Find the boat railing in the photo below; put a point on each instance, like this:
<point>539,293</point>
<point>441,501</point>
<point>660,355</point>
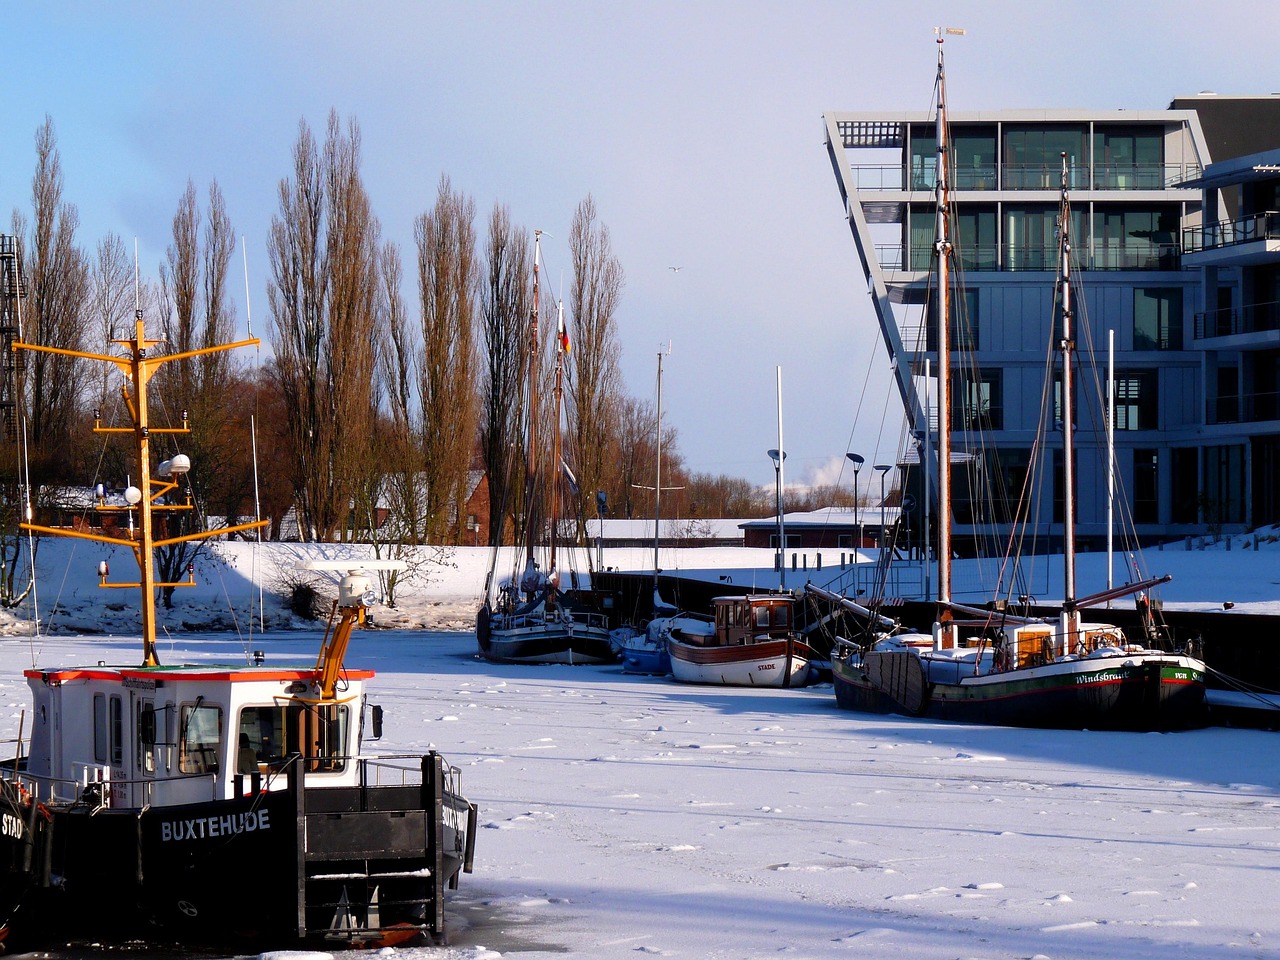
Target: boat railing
<point>95,786</point>
<point>391,770</point>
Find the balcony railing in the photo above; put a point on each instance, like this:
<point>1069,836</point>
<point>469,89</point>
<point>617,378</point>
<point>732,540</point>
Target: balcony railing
<point>1251,318</point>
<point>1136,256</point>
<point>1247,408</point>
<point>1230,233</point>
<point>990,176</point>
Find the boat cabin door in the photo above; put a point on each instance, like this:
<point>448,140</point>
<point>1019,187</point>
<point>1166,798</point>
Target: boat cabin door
<point>141,773</point>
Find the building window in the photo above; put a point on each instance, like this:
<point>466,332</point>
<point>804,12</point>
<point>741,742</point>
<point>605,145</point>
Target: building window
<point>1136,238</point>
<point>973,150</point>
<point>977,403</point>
<point>964,322</point>
<point>1157,318</point>
<point>973,236</point>
<point>1030,237</point>
<point>1033,156</point>
<point>1137,399</point>
<point>1128,158</point>
<point>1146,486</point>
<point>1186,486</point>
<point>1008,472</point>
<point>1224,485</point>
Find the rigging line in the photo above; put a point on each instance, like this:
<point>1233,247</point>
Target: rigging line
<point>24,467</point>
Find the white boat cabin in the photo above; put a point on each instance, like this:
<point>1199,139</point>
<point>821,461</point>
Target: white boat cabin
<point>160,736</point>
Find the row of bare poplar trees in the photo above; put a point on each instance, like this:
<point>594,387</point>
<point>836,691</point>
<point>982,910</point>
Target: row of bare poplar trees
<point>372,417</point>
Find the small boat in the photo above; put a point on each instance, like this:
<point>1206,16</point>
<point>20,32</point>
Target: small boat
<point>526,617</point>
<point>752,642</point>
<point>218,805</point>
<point>645,650</point>
<point>993,666</point>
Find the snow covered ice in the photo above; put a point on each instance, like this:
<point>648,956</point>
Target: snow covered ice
<point>629,816</point>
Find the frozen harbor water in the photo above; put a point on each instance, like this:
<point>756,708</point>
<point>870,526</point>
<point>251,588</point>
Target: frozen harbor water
<point>627,816</point>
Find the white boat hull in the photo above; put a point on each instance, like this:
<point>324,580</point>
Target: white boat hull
<point>774,663</point>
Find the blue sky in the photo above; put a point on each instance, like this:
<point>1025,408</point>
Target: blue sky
<point>695,126</point>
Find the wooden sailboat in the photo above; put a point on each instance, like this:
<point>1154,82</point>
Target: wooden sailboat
<point>531,619</point>
<point>217,804</point>
<point>988,666</point>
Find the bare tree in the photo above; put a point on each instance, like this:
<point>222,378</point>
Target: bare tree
<point>207,392</point>
<point>324,298</point>
<point>447,286</point>
<point>594,381</point>
<point>112,302</point>
<point>56,313</point>
<point>504,304</point>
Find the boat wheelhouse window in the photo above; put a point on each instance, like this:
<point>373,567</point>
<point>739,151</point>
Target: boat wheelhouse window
<point>319,733</point>
<point>145,725</point>
<point>782,615</point>
<point>100,727</point>
<point>115,726</point>
<point>264,728</point>
<point>200,743</point>
<point>762,616</point>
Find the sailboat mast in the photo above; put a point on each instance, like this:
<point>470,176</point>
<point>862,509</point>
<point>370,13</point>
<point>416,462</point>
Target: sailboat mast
<point>556,454</point>
<point>943,322</point>
<point>657,482</point>
<point>1067,346</point>
<point>531,452</point>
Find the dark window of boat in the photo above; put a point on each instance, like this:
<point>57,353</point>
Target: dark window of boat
<point>100,727</point>
<point>200,744</point>
<point>116,727</point>
<point>318,732</point>
<point>145,747</point>
<point>263,726</point>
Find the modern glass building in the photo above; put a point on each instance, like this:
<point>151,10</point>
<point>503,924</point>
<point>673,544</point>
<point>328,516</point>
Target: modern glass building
<point>1145,213</point>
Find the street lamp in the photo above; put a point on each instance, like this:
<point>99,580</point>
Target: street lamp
<point>777,456</point>
<point>884,469</point>
<point>857,462</point>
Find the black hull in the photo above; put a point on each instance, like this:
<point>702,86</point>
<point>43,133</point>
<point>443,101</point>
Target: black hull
<point>325,867</point>
<point>582,645</point>
<point>1138,703</point>
<point>1155,695</point>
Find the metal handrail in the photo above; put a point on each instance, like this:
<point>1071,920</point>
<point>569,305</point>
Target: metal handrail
<point>1228,233</point>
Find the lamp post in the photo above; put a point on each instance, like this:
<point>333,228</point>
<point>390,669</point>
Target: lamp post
<point>777,456</point>
<point>857,462</point>
<point>884,469</point>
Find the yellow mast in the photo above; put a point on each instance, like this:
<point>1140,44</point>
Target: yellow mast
<point>138,368</point>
